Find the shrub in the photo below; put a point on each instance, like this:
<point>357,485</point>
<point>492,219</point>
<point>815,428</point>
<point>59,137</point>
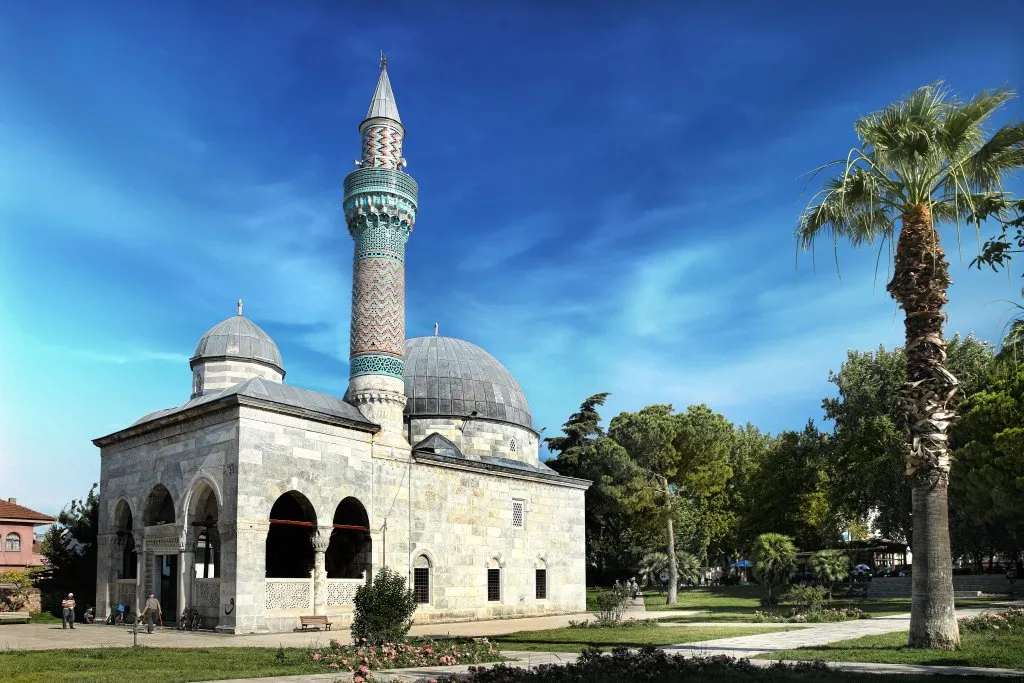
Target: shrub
<point>1007,621</point>
<point>805,598</point>
<point>610,605</point>
<point>647,664</point>
<point>384,608</point>
<point>774,558</point>
<point>12,599</point>
<point>829,567</point>
<point>362,659</point>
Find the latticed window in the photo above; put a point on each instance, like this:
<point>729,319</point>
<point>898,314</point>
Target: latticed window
<point>518,514</point>
<point>542,584</point>
<point>13,542</point>
<point>512,446</point>
<point>494,585</point>
<point>421,580</point>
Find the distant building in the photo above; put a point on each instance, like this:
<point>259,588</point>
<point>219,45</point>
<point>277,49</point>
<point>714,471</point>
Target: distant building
<point>18,547</point>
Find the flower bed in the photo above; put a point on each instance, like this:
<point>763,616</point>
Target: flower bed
<point>361,658</point>
<point>826,614</point>
<point>1007,620</point>
<point>649,664</point>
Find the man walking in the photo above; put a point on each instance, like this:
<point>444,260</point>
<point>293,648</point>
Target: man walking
<point>152,612</point>
<point>68,605</point>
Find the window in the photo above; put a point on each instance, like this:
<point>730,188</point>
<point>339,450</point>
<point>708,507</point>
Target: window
<point>421,580</point>
<point>512,446</point>
<point>518,513</point>
<point>494,585</point>
<point>542,584</point>
<point>13,543</point>
<point>197,384</point>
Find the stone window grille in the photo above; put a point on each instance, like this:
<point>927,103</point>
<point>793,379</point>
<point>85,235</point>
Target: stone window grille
<point>518,514</point>
<point>494,584</point>
<point>512,446</point>
<point>421,580</point>
<point>13,543</point>
<point>542,584</point>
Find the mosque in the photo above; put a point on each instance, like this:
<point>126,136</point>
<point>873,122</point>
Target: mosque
<point>257,502</point>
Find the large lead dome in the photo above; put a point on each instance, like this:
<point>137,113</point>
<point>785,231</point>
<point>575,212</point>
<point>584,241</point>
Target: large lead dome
<point>452,378</point>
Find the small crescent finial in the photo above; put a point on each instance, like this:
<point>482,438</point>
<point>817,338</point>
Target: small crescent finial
<point>383,60</point>
<point>240,304</point>
<point>435,329</point>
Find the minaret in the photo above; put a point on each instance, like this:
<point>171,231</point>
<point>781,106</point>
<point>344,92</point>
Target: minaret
<point>380,210</point>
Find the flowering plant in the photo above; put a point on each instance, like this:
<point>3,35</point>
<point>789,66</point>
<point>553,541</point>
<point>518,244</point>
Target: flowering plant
<point>1007,620</point>
<point>361,657</point>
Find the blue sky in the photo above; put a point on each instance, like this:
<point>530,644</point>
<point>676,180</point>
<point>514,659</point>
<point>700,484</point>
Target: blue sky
<point>607,197</point>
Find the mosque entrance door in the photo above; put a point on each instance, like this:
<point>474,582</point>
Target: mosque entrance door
<point>167,588</point>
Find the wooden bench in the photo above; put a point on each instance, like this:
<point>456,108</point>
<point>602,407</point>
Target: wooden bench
<point>14,617</point>
<point>318,621</point>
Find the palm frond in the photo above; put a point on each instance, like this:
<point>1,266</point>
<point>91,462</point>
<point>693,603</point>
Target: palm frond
<point>961,127</point>
<point>1003,152</point>
<point>854,206</point>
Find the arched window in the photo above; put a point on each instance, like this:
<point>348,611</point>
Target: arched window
<point>128,561</point>
<point>541,579</point>
<point>13,542</point>
<point>350,551</point>
<point>494,580</point>
<point>160,507</point>
<point>421,579</point>
<point>289,551</point>
<point>197,384</point>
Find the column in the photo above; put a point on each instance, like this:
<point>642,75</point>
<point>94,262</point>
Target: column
<point>321,540</point>
<point>186,568</point>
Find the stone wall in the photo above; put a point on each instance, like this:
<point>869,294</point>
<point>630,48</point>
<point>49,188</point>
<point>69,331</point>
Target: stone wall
<point>278,454</point>
<point>900,586</point>
<point>479,437</point>
<point>462,523</point>
<point>190,460</point>
<point>215,375</point>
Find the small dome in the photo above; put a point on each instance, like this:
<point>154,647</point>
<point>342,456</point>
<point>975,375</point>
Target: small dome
<point>452,378</point>
<point>238,337</point>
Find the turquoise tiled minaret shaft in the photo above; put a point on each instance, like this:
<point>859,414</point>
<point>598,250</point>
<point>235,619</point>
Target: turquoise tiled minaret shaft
<point>380,210</point>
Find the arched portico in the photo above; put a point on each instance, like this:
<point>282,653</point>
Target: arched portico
<point>349,554</point>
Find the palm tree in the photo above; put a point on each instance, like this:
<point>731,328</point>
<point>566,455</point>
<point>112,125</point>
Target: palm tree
<point>774,557</point>
<point>924,160</point>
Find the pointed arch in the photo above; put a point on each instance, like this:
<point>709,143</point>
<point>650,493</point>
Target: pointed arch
<point>159,506</point>
<point>350,552</point>
<point>289,547</point>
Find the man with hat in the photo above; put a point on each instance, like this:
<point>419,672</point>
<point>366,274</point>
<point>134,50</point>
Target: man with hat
<point>68,604</point>
<point>152,612</point>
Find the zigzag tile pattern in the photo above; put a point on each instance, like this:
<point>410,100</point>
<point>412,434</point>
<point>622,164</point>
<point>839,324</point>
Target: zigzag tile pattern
<point>378,306</point>
<point>382,147</point>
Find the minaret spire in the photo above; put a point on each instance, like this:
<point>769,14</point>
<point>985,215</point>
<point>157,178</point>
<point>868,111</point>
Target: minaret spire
<point>380,210</point>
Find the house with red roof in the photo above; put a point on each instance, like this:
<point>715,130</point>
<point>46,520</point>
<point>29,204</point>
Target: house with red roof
<point>18,548</point>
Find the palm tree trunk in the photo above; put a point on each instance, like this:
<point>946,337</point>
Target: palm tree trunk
<point>673,568</point>
<point>919,284</point>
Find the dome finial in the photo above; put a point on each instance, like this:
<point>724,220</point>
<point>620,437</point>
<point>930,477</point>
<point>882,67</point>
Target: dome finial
<point>383,61</point>
<point>435,329</point>
<point>240,304</point>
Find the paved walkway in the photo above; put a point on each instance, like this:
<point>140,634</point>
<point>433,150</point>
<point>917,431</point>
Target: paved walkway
<point>52,636</point>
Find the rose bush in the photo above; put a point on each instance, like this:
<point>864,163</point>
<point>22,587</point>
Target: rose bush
<point>361,657</point>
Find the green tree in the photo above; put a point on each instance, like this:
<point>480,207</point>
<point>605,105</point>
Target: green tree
<point>791,491</point>
<point>750,449</point>
<point>989,448</point>
<point>614,543</point>
<point>703,445</point>
<point>869,453</point>
<point>829,567</point>
<point>648,436</point>
<point>69,546</point>
<point>774,559</point>
<point>923,161</point>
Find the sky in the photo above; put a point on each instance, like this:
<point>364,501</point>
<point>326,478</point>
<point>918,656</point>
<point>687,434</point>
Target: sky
<point>607,197</point>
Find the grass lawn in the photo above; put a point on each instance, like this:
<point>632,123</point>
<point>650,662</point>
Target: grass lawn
<point>976,649</point>
<point>170,665</point>
<point>575,639</point>
<point>738,604</point>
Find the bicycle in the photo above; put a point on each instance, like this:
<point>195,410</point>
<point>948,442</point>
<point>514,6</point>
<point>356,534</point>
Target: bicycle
<point>190,620</point>
<point>117,613</point>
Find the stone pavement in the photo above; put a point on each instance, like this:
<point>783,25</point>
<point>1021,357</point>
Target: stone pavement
<point>52,636</point>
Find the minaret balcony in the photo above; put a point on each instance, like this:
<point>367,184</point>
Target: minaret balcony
<point>372,180</point>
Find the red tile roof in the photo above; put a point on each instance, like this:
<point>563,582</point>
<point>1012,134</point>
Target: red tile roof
<point>9,510</point>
